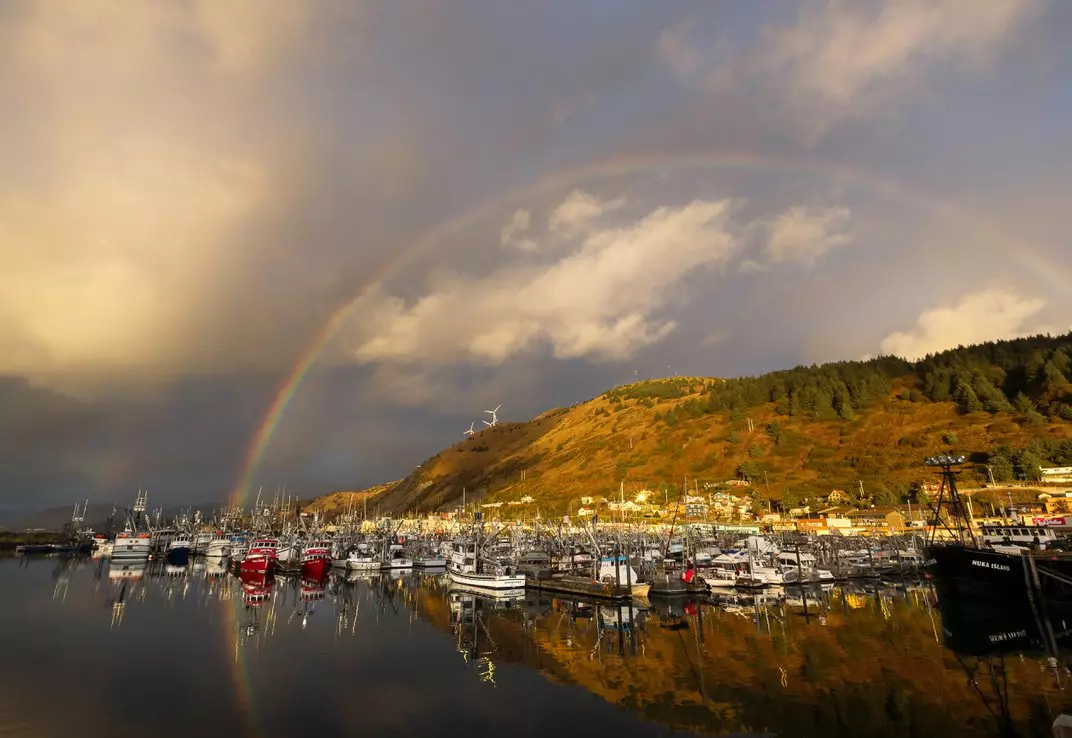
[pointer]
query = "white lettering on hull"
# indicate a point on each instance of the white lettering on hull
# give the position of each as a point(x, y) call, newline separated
point(991, 565)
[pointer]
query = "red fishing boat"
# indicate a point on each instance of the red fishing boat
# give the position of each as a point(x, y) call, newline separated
point(261, 556)
point(316, 560)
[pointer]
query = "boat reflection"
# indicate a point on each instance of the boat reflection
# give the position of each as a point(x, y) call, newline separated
point(864, 659)
point(823, 660)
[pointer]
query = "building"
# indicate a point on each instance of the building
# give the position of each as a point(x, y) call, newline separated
point(837, 497)
point(695, 509)
point(1056, 474)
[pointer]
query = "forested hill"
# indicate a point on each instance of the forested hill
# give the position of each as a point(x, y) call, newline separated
point(794, 434)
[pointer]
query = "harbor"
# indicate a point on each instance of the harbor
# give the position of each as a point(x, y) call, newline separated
point(280, 651)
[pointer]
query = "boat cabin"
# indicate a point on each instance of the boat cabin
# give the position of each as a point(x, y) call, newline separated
point(1018, 535)
point(790, 558)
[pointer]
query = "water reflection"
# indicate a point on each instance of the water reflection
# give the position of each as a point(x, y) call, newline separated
point(837, 660)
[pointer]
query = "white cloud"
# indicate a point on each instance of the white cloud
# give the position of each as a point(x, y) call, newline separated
point(600, 301)
point(843, 59)
point(578, 209)
point(987, 315)
point(512, 233)
point(802, 234)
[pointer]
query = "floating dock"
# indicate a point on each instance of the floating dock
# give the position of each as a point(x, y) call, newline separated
point(567, 584)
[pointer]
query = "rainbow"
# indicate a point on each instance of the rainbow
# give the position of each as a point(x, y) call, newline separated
point(985, 233)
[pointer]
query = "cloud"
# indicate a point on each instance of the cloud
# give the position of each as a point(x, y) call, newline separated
point(512, 233)
point(600, 301)
point(987, 315)
point(578, 209)
point(842, 59)
point(802, 234)
point(149, 151)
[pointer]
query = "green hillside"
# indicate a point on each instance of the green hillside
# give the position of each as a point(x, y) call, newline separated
point(792, 434)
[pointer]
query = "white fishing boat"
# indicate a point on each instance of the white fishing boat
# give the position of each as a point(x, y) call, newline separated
point(468, 568)
point(396, 558)
point(726, 569)
point(430, 560)
point(363, 558)
point(201, 541)
point(219, 547)
point(131, 546)
point(239, 547)
point(617, 570)
point(101, 546)
point(801, 567)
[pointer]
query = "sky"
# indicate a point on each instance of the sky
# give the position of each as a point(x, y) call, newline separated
point(307, 243)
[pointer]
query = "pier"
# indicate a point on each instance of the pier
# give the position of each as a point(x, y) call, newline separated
point(567, 584)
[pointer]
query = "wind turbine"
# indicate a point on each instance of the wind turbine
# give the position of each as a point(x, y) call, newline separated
point(494, 417)
point(470, 432)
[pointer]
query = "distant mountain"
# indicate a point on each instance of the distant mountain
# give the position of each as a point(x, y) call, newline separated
point(792, 435)
point(54, 518)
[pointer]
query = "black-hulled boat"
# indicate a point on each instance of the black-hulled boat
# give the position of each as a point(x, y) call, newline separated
point(965, 566)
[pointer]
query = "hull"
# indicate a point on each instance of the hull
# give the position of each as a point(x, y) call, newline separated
point(978, 572)
point(397, 564)
point(488, 581)
point(178, 555)
point(363, 564)
point(430, 564)
point(130, 549)
point(985, 573)
point(315, 569)
point(218, 550)
point(256, 564)
point(640, 589)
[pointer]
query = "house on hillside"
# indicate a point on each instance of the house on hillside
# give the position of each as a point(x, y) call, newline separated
point(696, 509)
point(837, 497)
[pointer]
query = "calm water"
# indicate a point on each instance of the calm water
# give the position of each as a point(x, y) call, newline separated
point(191, 653)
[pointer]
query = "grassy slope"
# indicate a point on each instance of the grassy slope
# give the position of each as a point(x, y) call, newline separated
point(592, 447)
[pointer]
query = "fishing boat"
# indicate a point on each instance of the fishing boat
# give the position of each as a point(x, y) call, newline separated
point(362, 558)
point(469, 568)
point(316, 560)
point(618, 570)
point(996, 566)
point(131, 546)
point(261, 557)
point(395, 558)
point(239, 547)
point(101, 545)
point(178, 551)
point(201, 541)
point(219, 547)
point(430, 560)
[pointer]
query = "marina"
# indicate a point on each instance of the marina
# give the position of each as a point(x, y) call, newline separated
point(253, 650)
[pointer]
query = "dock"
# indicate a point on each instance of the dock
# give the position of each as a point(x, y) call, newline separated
point(567, 584)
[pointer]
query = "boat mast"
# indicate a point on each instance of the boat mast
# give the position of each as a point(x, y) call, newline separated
point(948, 494)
